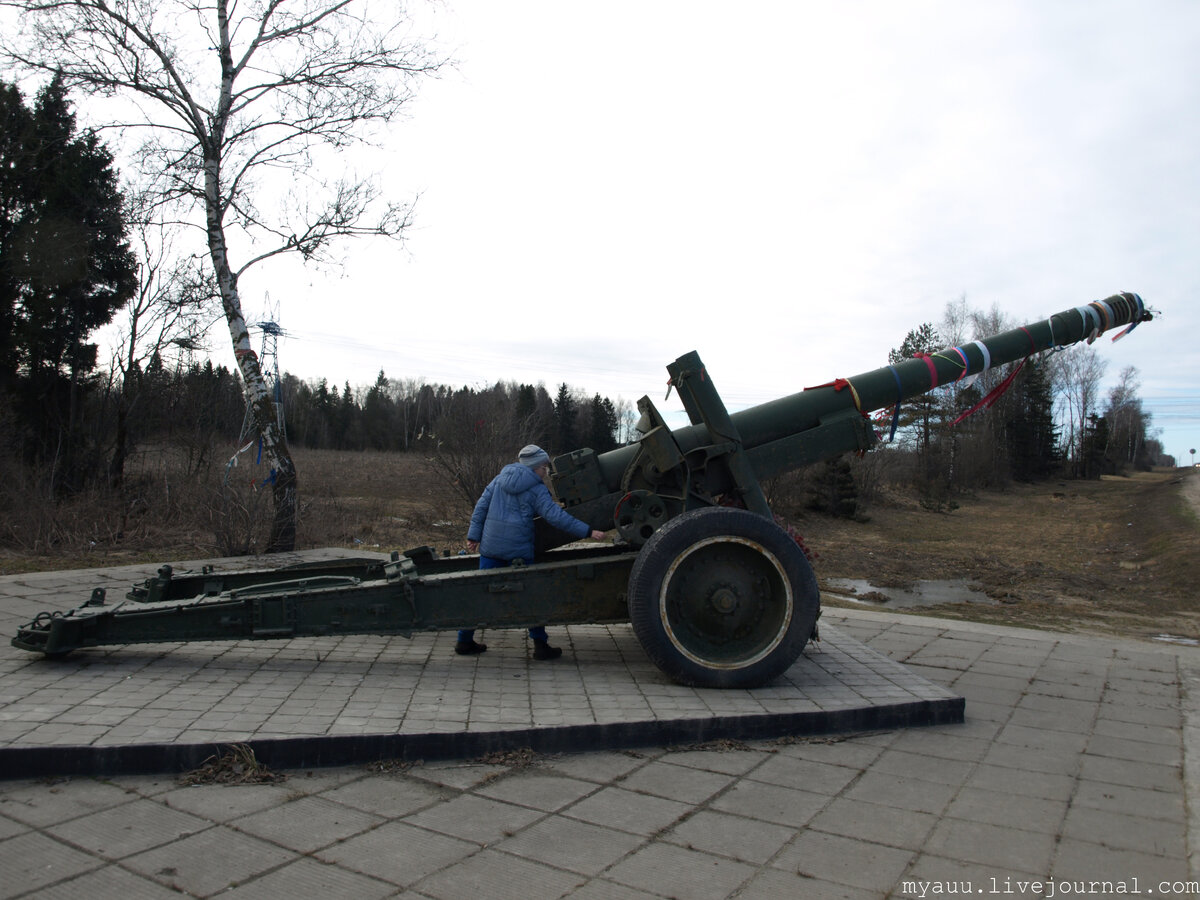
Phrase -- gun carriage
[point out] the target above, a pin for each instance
(718, 594)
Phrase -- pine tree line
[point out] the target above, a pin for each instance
(198, 409)
(406, 414)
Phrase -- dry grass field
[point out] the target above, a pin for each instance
(1119, 555)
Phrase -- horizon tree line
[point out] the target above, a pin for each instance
(1050, 421)
(76, 250)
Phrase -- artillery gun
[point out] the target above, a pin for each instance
(718, 593)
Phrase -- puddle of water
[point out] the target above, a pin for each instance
(1176, 639)
(924, 593)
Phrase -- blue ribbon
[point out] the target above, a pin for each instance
(899, 400)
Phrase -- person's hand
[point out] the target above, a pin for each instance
(597, 535)
(473, 546)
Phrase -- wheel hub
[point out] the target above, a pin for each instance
(724, 602)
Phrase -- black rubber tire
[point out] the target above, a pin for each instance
(722, 597)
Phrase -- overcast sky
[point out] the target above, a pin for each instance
(785, 187)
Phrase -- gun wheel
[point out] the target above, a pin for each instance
(722, 597)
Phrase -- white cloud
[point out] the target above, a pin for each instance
(785, 187)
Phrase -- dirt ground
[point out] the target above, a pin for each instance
(1119, 555)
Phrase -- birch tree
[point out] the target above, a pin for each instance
(1127, 422)
(1077, 374)
(229, 95)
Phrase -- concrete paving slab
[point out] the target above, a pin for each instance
(308, 878)
(844, 860)
(34, 860)
(310, 701)
(581, 847)
(498, 876)
(851, 815)
(729, 835)
(672, 871)
(188, 865)
(107, 882)
(421, 853)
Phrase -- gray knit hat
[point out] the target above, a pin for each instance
(533, 456)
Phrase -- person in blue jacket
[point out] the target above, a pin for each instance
(502, 530)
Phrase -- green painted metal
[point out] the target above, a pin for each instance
(693, 465)
(417, 591)
(702, 571)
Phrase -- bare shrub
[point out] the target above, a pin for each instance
(166, 497)
(473, 439)
(27, 519)
(785, 493)
(162, 501)
(848, 486)
(878, 471)
(378, 501)
(239, 516)
(94, 519)
(98, 519)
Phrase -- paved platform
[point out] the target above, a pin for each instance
(335, 701)
(1074, 773)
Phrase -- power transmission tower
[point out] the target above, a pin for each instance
(269, 360)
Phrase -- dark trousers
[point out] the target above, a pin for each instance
(536, 633)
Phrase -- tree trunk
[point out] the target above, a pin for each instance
(274, 444)
(262, 405)
(116, 466)
(283, 478)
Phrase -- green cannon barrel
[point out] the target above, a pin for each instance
(889, 385)
(820, 423)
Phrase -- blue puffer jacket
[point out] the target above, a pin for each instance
(503, 519)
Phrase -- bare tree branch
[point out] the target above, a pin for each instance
(229, 89)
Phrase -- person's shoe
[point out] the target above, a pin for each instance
(543, 650)
(469, 648)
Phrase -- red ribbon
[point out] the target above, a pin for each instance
(995, 394)
(933, 376)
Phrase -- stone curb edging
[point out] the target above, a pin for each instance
(342, 750)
